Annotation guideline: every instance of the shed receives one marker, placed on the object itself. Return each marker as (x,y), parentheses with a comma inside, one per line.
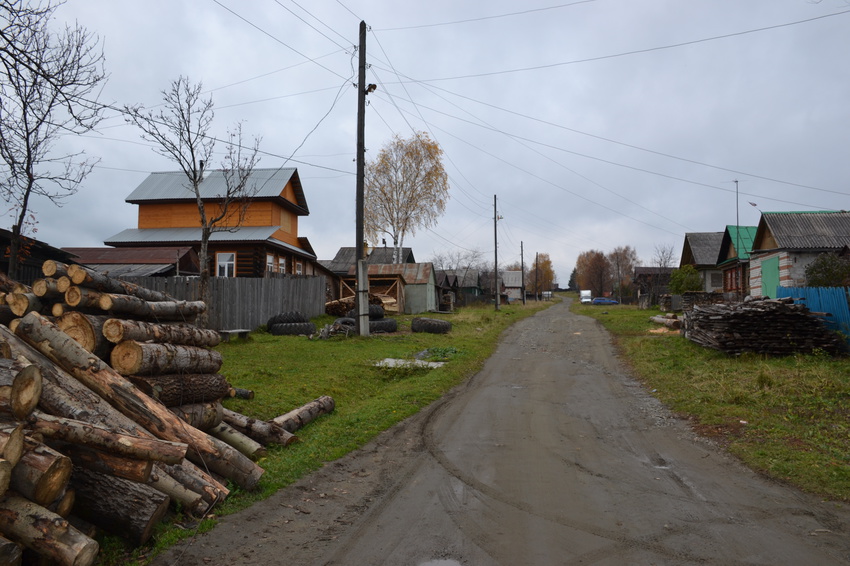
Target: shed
(419,293)
(512,285)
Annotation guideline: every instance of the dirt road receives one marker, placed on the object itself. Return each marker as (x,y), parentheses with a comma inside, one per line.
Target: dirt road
(551,455)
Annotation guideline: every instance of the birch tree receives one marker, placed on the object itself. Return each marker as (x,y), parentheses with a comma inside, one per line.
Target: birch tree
(181,130)
(48,89)
(406,188)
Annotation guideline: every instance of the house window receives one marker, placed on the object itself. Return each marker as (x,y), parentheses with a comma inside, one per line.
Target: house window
(226,264)
(270,263)
(717,280)
(281,265)
(299,268)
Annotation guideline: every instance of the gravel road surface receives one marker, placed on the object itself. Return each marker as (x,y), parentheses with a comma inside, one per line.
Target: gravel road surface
(551,455)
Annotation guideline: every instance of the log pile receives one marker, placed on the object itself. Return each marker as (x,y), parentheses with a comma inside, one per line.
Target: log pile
(111,412)
(774,327)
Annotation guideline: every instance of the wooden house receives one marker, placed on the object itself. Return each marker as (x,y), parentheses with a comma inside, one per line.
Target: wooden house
(701,250)
(734,259)
(33,254)
(785,243)
(512,285)
(265,243)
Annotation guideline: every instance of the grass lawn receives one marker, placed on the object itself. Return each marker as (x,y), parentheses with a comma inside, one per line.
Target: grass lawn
(787,417)
(286,372)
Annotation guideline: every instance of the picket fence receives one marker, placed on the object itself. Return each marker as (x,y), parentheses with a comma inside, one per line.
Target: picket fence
(246,302)
(831,300)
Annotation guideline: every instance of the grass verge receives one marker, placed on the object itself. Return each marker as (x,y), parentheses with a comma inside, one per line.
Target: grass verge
(786,417)
(286,372)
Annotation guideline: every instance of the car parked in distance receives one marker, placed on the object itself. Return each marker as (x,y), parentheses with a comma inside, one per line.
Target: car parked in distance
(605,301)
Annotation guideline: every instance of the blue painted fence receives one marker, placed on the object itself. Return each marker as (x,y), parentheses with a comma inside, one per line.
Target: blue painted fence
(832,300)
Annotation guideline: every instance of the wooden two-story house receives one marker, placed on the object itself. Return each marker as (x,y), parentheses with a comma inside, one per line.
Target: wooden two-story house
(265,242)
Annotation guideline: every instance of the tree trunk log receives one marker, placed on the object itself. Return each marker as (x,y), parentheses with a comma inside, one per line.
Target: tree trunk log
(5,476)
(45,532)
(22,303)
(10,553)
(182,389)
(12,442)
(202,416)
(298,418)
(55,269)
(41,474)
(117,330)
(668,322)
(243,393)
(128,399)
(106,463)
(122,507)
(47,287)
(65,396)
(190,501)
(263,432)
(87,330)
(198,481)
(64,504)
(25,387)
(107,440)
(241,442)
(91,279)
(78,297)
(170,310)
(137,358)
(63,284)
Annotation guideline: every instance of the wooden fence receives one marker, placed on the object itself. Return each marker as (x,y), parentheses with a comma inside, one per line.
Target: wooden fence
(246,302)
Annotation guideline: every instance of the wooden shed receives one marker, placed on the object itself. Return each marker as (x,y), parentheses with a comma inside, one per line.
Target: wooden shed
(413,285)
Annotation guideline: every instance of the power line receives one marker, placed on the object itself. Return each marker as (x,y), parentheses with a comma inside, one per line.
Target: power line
(489,17)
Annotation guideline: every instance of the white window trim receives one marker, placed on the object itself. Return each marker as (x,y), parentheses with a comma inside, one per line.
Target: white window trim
(221,262)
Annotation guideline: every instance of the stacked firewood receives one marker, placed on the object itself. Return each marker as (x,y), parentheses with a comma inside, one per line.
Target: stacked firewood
(115,397)
(775,327)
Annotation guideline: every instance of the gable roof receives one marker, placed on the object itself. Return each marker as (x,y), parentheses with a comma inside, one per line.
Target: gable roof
(466,278)
(512,279)
(820,230)
(412,273)
(737,244)
(346,257)
(701,249)
(172,186)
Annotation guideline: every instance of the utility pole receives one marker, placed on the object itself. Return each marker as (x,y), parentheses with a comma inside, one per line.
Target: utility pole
(496,252)
(537,276)
(522,269)
(361,298)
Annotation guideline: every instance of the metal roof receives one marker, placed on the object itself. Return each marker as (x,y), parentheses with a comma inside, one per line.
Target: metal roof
(412,273)
(701,248)
(822,230)
(174,186)
(512,279)
(146,255)
(346,257)
(246,234)
(738,238)
(466,277)
(131,269)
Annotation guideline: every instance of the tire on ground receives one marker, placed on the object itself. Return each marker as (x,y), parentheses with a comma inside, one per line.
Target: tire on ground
(292,328)
(345,321)
(383,325)
(287,318)
(376,312)
(430,325)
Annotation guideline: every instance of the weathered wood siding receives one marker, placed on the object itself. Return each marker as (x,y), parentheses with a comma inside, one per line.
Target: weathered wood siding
(247,302)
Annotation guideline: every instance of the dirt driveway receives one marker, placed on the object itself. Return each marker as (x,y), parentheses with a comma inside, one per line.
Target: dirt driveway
(551,455)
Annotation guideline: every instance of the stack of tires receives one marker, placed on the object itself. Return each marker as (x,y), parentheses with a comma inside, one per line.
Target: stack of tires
(377,322)
(291,323)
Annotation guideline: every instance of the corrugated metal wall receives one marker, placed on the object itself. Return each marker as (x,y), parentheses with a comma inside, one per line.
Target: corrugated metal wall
(832,300)
(245,302)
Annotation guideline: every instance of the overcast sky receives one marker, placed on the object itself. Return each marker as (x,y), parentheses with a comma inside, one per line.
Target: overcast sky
(595,123)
